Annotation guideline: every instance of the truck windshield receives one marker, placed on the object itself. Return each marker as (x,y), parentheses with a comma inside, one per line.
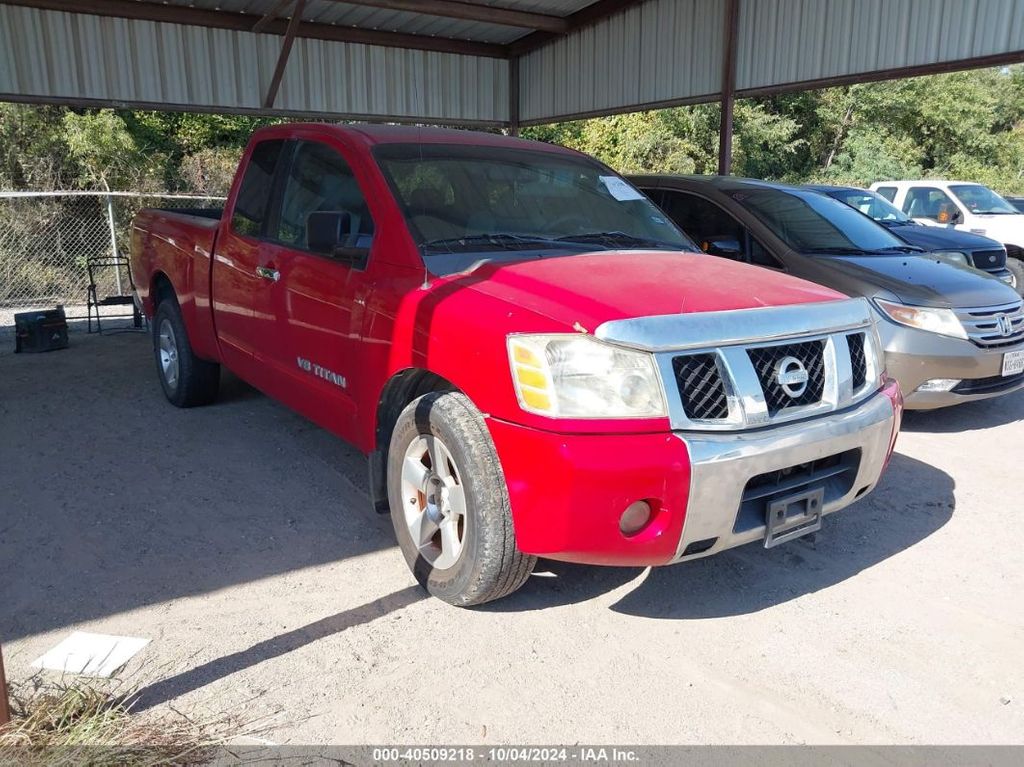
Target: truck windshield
(486,199)
(981,200)
(872,205)
(812,223)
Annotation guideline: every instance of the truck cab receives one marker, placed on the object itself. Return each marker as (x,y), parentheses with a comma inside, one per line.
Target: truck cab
(536,361)
(963,206)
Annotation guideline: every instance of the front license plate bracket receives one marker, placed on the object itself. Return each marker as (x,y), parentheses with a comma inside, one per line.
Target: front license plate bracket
(793,516)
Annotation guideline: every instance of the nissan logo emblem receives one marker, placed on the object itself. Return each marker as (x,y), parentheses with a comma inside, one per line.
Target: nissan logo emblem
(792,376)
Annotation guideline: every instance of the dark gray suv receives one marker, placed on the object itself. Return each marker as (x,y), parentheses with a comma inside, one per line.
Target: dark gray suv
(950,333)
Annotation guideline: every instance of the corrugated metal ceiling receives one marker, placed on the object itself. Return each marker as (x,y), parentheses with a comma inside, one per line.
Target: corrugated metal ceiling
(655,52)
(351,15)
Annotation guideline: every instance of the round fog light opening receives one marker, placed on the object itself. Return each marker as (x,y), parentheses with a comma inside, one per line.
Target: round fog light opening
(635,517)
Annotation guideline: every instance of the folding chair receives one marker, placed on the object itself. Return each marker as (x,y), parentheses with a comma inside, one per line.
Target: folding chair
(121,265)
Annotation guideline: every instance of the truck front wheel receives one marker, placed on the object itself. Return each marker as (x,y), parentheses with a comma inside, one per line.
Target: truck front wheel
(449,503)
(187,381)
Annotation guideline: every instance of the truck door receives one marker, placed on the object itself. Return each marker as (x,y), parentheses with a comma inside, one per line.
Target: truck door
(320,238)
(241,283)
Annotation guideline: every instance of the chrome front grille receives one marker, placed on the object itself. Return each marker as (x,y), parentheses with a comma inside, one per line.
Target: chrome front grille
(768,361)
(992,327)
(701,387)
(858,362)
(740,387)
(749,368)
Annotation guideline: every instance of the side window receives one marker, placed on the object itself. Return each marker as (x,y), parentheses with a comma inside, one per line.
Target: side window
(700,218)
(320,181)
(254,193)
(706,223)
(888,192)
(758,255)
(929,202)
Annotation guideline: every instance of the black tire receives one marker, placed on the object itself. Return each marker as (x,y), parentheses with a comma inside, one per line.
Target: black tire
(489,565)
(1016,267)
(196,381)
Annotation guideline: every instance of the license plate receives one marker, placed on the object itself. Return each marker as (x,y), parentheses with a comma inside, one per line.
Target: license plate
(793,516)
(1013,363)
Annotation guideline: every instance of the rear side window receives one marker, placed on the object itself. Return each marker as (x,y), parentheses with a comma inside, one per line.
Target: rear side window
(254,194)
(704,221)
(888,192)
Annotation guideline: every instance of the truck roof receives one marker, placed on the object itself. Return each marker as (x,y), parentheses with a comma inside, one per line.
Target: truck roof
(371,135)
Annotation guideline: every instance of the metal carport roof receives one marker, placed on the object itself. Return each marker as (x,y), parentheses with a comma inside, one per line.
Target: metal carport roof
(479,62)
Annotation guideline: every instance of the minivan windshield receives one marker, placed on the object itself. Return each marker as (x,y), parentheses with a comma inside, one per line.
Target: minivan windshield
(872,205)
(812,223)
(981,200)
(487,199)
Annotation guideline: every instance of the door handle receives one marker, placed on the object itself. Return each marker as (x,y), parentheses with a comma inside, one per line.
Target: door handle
(268,273)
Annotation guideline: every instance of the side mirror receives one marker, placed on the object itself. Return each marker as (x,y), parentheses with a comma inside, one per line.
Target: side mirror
(329,232)
(724,247)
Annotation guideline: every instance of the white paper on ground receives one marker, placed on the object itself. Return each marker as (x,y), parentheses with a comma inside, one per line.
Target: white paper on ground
(619,189)
(90,654)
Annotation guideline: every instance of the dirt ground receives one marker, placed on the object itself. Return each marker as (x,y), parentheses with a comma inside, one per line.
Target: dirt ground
(239,538)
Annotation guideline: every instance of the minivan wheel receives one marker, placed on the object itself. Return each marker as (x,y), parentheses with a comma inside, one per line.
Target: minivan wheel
(186,379)
(449,503)
(1016,267)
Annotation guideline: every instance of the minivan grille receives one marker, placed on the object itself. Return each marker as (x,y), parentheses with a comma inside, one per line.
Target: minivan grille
(701,387)
(992,327)
(766,361)
(858,362)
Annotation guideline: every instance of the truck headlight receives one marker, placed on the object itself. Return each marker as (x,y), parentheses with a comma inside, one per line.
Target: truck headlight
(953,256)
(576,376)
(941,321)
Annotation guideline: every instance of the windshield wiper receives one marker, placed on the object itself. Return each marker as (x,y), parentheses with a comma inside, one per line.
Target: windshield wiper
(502,240)
(840,251)
(902,249)
(613,239)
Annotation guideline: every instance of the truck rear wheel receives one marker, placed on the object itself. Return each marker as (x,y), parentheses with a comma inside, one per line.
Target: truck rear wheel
(449,503)
(187,381)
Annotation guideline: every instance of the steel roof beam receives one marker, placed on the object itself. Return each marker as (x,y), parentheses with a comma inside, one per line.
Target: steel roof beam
(584,17)
(467,11)
(244,22)
(286,50)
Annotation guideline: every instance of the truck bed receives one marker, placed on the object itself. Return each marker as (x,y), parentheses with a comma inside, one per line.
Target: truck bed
(175,244)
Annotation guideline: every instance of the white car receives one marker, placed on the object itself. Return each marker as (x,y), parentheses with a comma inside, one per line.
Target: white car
(965,206)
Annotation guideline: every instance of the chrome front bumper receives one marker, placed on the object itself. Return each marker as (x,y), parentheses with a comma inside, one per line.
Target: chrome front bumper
(723,464)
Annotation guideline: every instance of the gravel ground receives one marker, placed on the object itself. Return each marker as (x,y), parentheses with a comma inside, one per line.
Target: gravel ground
(239,538)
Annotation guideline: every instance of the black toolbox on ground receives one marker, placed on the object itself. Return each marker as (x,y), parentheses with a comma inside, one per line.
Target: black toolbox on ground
(41,331)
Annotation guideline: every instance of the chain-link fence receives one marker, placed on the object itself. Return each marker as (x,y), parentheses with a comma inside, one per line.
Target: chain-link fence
(47,237)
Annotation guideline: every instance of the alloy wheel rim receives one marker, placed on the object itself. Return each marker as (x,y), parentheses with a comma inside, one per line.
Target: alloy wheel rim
(434,501)
(168,349)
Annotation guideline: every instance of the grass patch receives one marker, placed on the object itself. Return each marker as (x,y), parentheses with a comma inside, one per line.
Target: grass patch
(85,722)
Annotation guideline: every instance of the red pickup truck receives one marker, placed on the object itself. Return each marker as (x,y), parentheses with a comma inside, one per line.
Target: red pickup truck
(535,359)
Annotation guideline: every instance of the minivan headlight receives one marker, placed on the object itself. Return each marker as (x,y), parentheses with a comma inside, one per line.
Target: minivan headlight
(941,321)
(576,376)
(953,256)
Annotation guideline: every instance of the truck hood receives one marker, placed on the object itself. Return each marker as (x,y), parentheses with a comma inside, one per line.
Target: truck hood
(942,238)
(924,281)
(588,289)
(1007,229)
